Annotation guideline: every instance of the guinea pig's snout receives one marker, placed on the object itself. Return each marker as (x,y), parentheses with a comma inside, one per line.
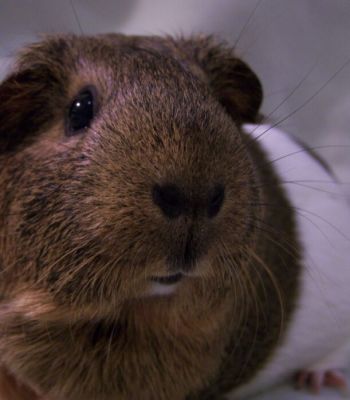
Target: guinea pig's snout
(173,202)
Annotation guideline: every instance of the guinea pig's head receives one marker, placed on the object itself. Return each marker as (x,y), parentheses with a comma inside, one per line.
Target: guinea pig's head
(123,169)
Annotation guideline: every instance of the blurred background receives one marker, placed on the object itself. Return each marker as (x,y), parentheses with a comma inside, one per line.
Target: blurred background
(300,49)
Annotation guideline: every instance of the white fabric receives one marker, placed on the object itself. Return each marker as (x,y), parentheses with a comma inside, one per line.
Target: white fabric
(318,336)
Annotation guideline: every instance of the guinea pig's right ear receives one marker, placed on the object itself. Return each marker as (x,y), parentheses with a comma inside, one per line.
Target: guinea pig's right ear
(24,105)
(231,80)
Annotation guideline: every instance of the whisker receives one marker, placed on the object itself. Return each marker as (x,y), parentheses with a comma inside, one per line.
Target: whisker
(329,146)
(276,287)
(242,319)
(299,211)
(304,103)
(290,94)
(76,16)
(271,233)
(313,188)
(251,15)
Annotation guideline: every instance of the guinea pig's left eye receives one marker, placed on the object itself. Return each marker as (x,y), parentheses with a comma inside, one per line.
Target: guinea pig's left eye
(80,113)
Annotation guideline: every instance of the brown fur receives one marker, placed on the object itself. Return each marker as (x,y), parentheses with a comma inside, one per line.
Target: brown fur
(10,388)
(80,236)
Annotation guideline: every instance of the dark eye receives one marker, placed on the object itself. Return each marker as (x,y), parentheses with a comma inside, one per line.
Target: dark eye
(80,113)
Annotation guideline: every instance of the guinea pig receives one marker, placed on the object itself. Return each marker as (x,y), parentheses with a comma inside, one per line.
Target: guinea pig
(158,240)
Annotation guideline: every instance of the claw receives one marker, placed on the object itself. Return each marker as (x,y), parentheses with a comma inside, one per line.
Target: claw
(336,379)
(316,380)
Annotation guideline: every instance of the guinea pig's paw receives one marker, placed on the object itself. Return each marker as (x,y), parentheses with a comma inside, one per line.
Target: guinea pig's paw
(315,380)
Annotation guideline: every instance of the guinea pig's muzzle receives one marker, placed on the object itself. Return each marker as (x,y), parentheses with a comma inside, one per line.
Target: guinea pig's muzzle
(192,210)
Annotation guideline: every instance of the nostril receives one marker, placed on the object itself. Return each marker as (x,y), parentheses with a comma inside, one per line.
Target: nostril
(169,199)
(216,200)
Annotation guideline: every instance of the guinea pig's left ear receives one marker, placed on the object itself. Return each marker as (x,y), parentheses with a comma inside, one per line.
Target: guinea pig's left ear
(232,81)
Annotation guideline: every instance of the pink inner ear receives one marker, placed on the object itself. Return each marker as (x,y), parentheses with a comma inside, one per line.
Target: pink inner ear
(11,389)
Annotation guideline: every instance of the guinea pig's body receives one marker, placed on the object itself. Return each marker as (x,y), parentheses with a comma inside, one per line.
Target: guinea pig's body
(150,246)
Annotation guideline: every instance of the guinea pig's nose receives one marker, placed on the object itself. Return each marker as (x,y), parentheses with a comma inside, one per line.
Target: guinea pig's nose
(173,202)
(169,199)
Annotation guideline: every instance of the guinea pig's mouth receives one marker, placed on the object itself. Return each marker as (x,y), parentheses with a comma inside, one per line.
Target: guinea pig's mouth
(168,279)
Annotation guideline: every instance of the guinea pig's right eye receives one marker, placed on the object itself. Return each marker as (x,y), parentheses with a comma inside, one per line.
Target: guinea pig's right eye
(80,113)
